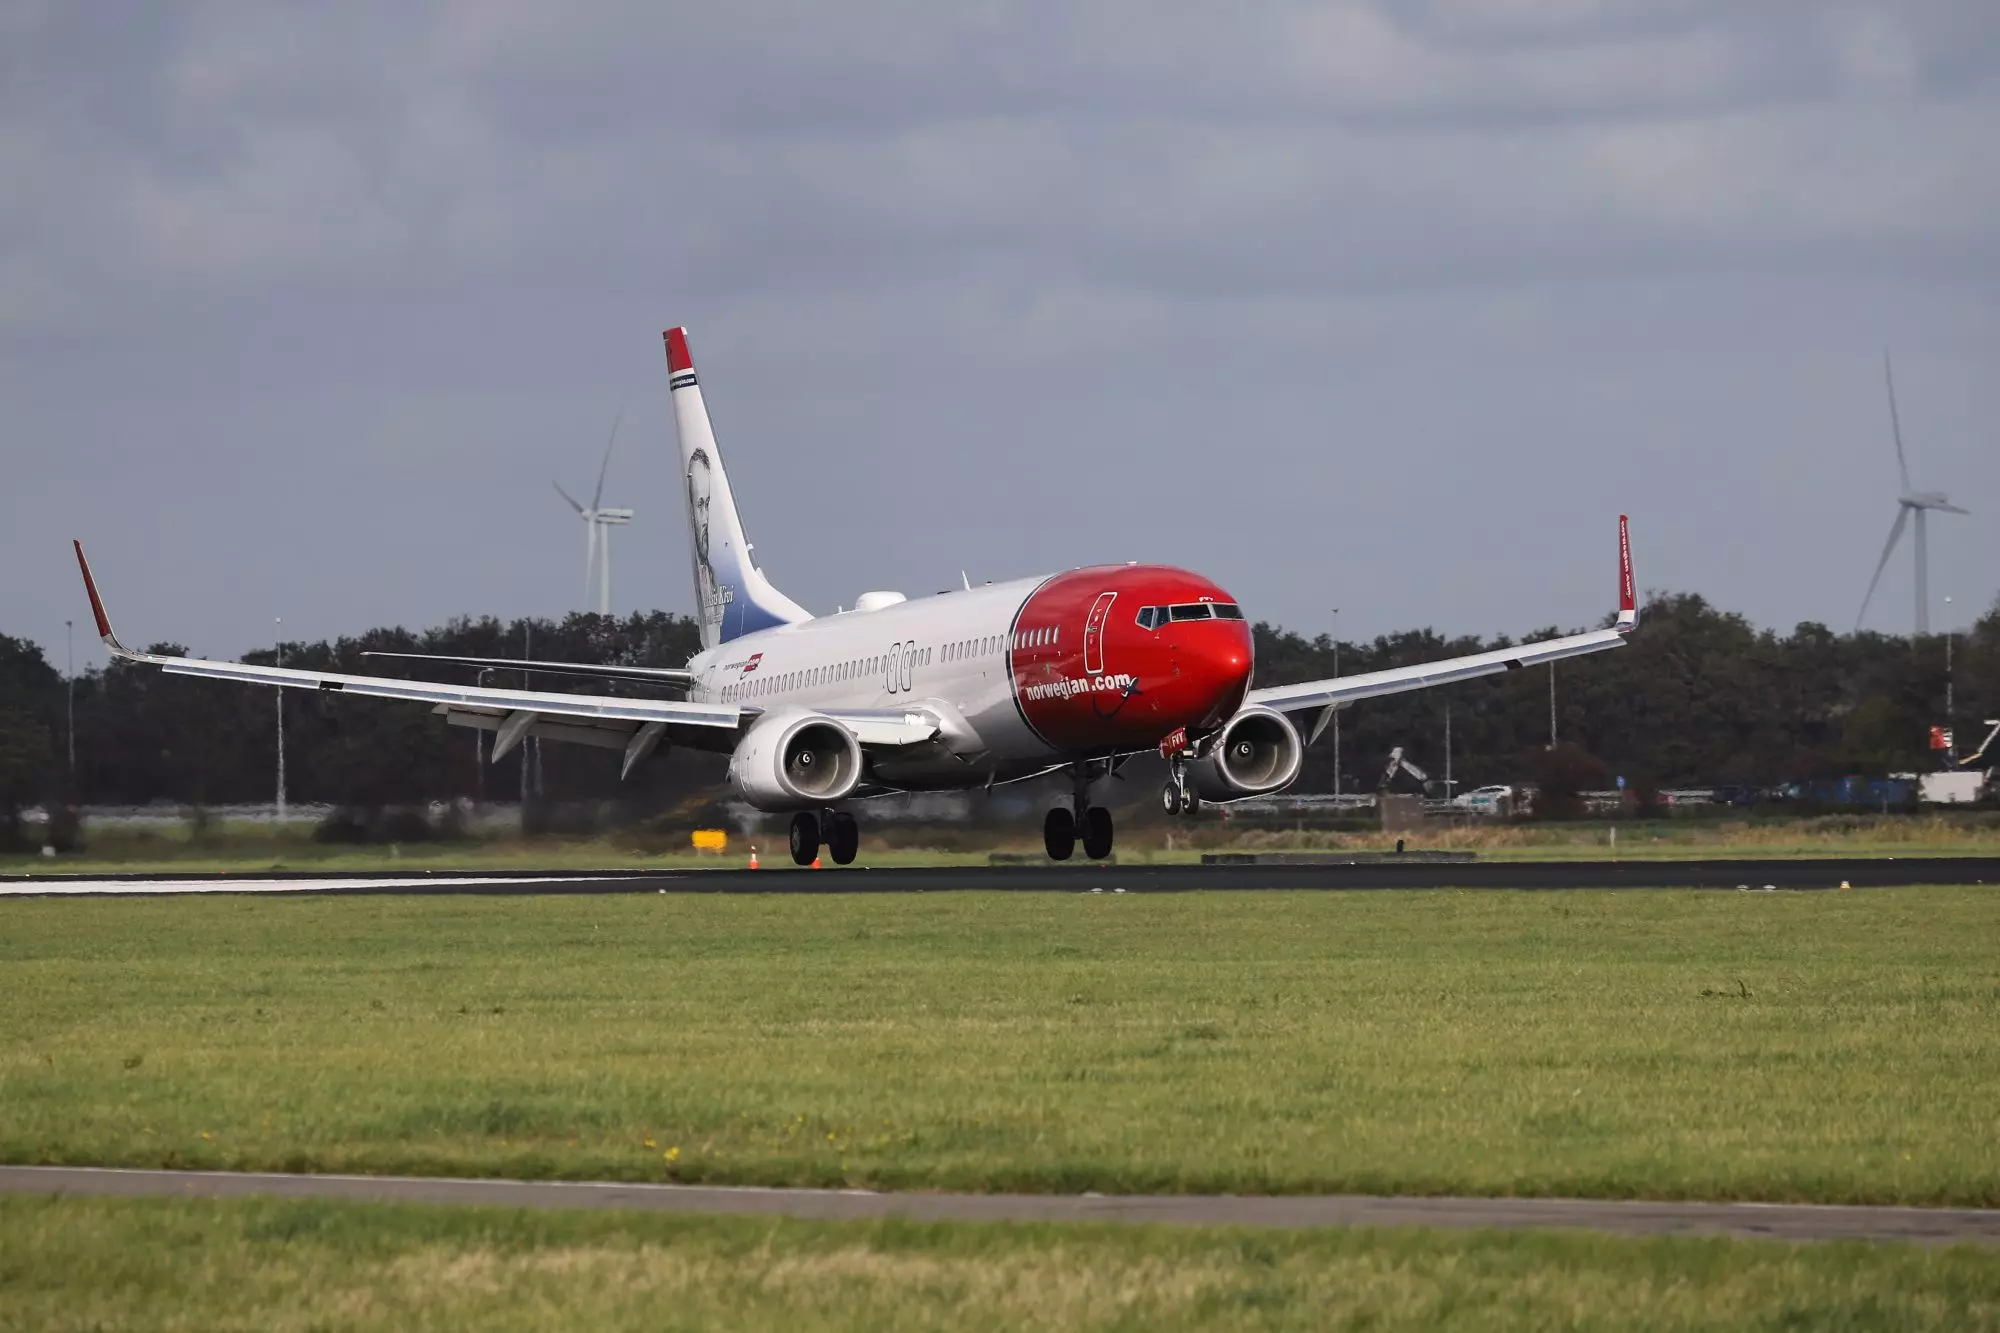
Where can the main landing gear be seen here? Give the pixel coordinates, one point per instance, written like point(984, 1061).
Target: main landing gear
point(1177, 797)
point(841, 833)
point(1079, 820)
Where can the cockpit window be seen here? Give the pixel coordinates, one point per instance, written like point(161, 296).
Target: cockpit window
point(1228, 611)
point(1150, 617)
point(1191, 611)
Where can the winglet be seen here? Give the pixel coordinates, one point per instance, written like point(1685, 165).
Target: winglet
point(678, 359)
point(1628, 602)
point(97, 603)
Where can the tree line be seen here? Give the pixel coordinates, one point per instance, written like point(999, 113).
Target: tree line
point(1699, 697)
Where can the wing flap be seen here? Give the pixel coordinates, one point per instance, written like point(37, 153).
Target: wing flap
point(656, 675)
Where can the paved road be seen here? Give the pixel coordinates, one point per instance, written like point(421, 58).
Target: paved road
point(1934, 1226)
point(1860, 872)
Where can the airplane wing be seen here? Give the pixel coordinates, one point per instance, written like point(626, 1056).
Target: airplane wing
point(671, 676)
point(635, 726)
point(1339, 691)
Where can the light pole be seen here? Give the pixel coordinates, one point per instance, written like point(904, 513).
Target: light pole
point(280, 620)
point(1447, 750)
point(70, 703)
point(1336, 712)
point(1950, 732)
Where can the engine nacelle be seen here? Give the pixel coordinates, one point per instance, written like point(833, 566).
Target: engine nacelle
point(793, 759)
point(1257, 751)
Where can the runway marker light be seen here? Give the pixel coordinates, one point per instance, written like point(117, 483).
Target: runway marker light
point(1844, 884)
point(815, 864)
point(753, 857)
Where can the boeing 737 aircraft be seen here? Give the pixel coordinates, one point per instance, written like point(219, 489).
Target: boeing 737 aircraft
point(1074, 672)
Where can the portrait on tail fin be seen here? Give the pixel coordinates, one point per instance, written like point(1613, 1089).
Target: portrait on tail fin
point(710, 595)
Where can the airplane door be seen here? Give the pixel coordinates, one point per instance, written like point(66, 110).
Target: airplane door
point(1093, 633)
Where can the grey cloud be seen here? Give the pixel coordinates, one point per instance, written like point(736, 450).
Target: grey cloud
point(1319, 298)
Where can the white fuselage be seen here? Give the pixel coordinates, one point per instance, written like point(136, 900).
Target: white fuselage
point(948, 654)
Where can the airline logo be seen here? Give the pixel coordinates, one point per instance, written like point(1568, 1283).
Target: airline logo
point(1173, 742)
point(751, 665)
point(1075, 686)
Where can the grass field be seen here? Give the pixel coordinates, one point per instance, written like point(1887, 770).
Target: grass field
point(1830, 1047)
point(83, 1264)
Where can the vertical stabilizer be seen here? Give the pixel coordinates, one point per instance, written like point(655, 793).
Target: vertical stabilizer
point(732, 597)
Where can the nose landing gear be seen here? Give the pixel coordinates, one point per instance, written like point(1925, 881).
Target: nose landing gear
point(1177, 798)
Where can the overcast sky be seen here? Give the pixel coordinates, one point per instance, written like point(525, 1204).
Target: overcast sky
point(1385, 306)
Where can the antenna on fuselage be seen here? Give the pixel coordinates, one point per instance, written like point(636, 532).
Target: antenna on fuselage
point(962, 578)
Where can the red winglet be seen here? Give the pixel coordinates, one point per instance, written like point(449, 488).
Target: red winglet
point(96, 602)
point(677, 351)
point(1628, 601)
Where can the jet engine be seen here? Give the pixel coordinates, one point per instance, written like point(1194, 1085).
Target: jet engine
point(792, 759)
point(1257, 751)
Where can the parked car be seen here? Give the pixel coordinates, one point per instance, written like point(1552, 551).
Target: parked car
point(1495, 801)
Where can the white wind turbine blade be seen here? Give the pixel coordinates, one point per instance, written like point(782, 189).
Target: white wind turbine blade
point(1895, 425)
point(605, 466)
point(1888, 549)
point(567, 496)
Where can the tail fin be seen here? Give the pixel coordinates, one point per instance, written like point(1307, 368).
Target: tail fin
point(732, 596)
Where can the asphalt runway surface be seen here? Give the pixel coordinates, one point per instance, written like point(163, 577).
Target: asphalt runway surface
point(1767, 1221)
point(1753, 875)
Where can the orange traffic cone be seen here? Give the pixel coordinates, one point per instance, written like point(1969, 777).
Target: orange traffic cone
point(815, 864)
point(753, 858)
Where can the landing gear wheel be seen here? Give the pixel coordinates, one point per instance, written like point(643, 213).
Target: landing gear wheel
point(1190, 804)
point(1059, 834)
point(1097, 833)
point(843, 837)
point(1170, 799)
point(805, 838)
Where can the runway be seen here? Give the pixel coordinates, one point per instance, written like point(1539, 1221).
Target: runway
point(1766, 1221)
point(1753, 875)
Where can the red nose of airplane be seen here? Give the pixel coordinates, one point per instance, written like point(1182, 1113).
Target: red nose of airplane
point(1216, 663)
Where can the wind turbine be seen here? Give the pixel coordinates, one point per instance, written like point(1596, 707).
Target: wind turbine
point(1909, 502)
point(597, 524)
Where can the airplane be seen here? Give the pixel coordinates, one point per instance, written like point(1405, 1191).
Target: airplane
point(1075, 672)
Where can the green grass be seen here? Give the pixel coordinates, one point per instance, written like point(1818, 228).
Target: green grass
point(1822, 1047)
point(86, 1264)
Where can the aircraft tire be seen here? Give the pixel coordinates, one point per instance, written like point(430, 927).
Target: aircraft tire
point(843, 837)
point(1170, 799)
point(805, 838)
point(1059, 834)
point(1097, 833)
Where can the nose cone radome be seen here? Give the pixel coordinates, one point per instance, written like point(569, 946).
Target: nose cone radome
point(1219, 660)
